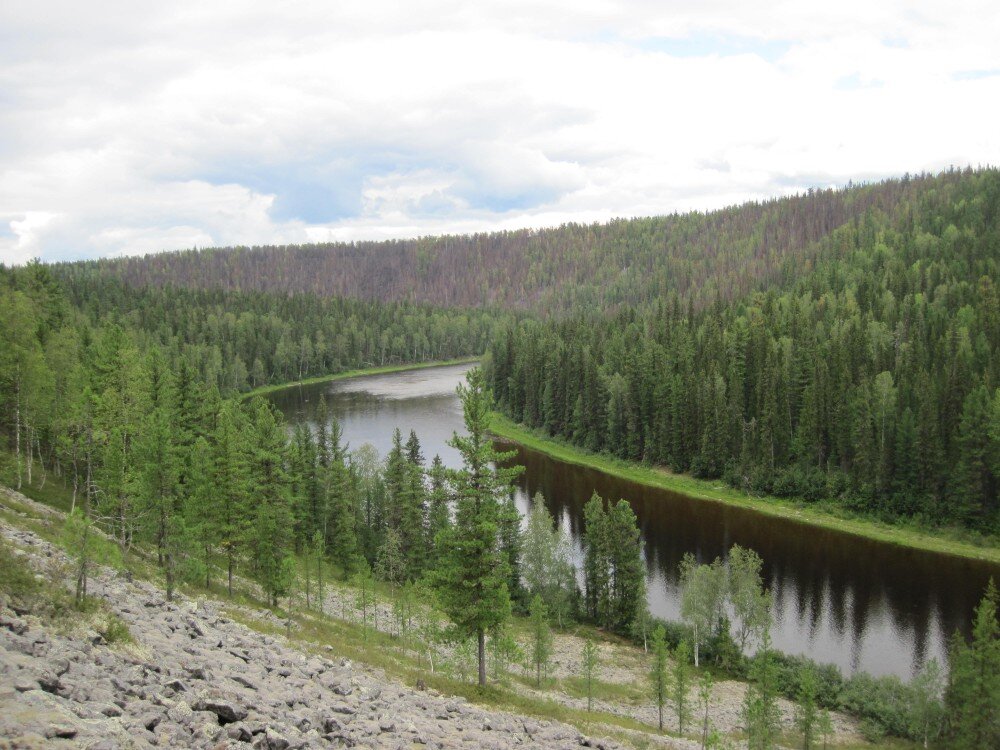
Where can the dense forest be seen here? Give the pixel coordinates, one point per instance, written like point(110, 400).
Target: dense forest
point(873, 378)
point(625, 263)
point(882, 357)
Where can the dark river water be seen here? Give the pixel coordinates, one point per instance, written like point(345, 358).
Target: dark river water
point(859, 604)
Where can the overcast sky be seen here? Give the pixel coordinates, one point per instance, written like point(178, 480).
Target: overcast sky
point(133, 127)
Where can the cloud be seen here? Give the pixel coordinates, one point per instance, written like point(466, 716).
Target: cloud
point(127, 128)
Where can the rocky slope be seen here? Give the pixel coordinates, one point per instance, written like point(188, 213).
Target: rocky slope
point(195, 678)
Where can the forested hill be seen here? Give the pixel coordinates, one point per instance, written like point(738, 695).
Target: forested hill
point(872, 380)
point(629, 262)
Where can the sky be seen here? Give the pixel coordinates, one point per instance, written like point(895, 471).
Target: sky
point(136, 127)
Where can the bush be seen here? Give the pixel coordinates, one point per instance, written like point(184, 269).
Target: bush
point(829, 681)
point(882, 701)
point(116, 631)
point(17, 579)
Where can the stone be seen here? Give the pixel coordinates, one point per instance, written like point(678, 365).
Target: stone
point(61, 731)
point(226, 711)
point(241, 680)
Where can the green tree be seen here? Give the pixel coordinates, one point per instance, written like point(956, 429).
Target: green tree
point(364, 585)
point(390, 565)
point(973, 694)
point(761, 718)
point(472, 576)
point(680, 683)
point(589, 663)
point(658, 676)
point(546, 566)
point(927, 710)
point(807, 710)
point(272, 518)
point(750, 603)
point(226, 508)
point(705, 686)
point(541, 638)
point(641, 627)
point(703, 595)
point(503, 651)
point(88, 547)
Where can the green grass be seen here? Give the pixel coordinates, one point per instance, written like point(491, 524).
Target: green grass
point(384, 370)
point(940, 541)
point(359, 643)
point(45, 487)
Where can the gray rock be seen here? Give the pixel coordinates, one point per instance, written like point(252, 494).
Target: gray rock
point(226, 711)
point(61, 731)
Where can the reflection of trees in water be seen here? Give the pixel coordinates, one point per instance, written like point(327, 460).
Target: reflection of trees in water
point(828, 587)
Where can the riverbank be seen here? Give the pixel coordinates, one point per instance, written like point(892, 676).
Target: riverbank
point(800, 511)
point(382, 370)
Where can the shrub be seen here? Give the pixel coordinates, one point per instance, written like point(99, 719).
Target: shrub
point(116, 631)
point(17, 579)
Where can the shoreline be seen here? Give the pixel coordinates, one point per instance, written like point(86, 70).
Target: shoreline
point(382, 370)
point(717, 492)
point(712, 491)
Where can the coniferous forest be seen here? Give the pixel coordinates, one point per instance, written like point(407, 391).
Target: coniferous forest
point(873, 378)
point(840, 346)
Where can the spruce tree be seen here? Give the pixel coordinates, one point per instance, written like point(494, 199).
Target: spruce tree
point(973, 694)
point(761, 717)
point(271, 528)
point(541, 638)
point(472, 575)
point(806, 711)
point(658, 676)
point(680, 683)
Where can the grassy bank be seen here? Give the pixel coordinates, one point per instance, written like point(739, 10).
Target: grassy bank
point(384, 370)
point(827, 516)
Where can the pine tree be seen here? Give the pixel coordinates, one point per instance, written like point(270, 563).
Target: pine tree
point(806, 711)
point(973, 695)
point(680, 683)
point(658, 677)
point(705, 686)
point(229, 511)
point(439, 513)
point(761, 718)
point(341, 500)
point(628, 570)
point(413, 510)
point(472, 576)
point(597, 559)
point(975, 482)
point(272, 519)
point(541, 638)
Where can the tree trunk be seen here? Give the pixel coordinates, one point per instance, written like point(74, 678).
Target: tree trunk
point(481, 638)
point(169, 559)
point(17, 425)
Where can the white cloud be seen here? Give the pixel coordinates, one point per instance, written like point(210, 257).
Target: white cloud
point(128, 128)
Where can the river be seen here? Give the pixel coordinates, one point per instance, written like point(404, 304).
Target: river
point(859, 604)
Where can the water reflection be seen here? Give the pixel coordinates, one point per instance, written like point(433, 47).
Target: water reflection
point(837, 598)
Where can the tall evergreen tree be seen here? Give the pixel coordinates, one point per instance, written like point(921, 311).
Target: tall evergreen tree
point(973, 694)
point(472, 576)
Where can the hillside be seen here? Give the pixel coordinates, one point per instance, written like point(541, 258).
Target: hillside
point(704, 256)
point(185, 674)
point(870, 381)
